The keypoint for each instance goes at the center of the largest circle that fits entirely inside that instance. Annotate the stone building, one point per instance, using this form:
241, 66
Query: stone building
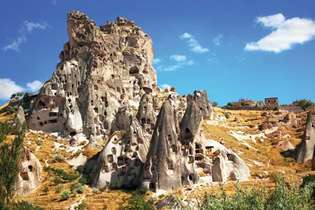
272, 103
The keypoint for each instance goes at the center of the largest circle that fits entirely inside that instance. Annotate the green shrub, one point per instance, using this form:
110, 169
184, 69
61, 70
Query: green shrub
4, 130
283, 197
289, 197
25, 206
84, 180
10, 156
19, 206
58, 158
65, 195
81, 206
77, 188
137, 202
65, 176
303, 103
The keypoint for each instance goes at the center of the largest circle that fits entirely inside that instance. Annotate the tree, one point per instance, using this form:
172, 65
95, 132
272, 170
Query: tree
10, 157
214, 103
303, 103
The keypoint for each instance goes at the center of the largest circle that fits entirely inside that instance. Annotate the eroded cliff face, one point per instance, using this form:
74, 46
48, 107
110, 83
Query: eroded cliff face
105, 87
101, 69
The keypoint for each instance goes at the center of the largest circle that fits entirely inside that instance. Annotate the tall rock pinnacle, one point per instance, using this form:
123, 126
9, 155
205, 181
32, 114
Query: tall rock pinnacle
305, 149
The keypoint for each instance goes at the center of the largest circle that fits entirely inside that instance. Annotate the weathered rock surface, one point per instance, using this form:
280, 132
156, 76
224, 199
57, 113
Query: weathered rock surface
101, 69
29, 176
20, 120
227, 165
105, 87
305, 149
162, 169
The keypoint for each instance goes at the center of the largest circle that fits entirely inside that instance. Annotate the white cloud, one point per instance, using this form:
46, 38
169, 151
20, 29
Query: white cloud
15, 44
178, 58
166, 86
178, 62
8, 87
193, 44
157, 61
27, 28
34, 86
272, 21
30, 26
217, 40
286, 33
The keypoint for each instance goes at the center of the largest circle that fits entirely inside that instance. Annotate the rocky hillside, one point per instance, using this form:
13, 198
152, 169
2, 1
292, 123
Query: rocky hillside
101, 126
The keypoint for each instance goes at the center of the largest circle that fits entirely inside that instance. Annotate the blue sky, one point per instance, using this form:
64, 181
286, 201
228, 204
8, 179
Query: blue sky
231, 48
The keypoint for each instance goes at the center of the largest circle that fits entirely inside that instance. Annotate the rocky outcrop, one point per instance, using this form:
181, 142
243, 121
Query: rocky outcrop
105, 87
29, 176
198, 108
120, 162
306, 148
20, 120
227, 165
162, 169
101, 69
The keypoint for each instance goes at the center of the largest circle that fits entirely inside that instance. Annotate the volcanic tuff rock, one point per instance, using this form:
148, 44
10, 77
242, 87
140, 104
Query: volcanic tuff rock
101, 69
105, 87
29, 174
305, 149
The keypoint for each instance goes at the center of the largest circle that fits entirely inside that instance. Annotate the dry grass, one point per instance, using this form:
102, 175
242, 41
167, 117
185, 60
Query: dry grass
47, 195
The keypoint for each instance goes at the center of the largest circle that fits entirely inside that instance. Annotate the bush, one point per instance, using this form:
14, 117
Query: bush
84, 180
242, 200
65, 195
303, 103
4, 130
137, 202
65, 176
10, 156
25, 206
81, 206
19, 206
77, 188
283, 197
291, 197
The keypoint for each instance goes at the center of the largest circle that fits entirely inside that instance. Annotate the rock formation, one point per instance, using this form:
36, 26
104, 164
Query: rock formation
29, 176
162, 169
101, 69
306, 148
105, 87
